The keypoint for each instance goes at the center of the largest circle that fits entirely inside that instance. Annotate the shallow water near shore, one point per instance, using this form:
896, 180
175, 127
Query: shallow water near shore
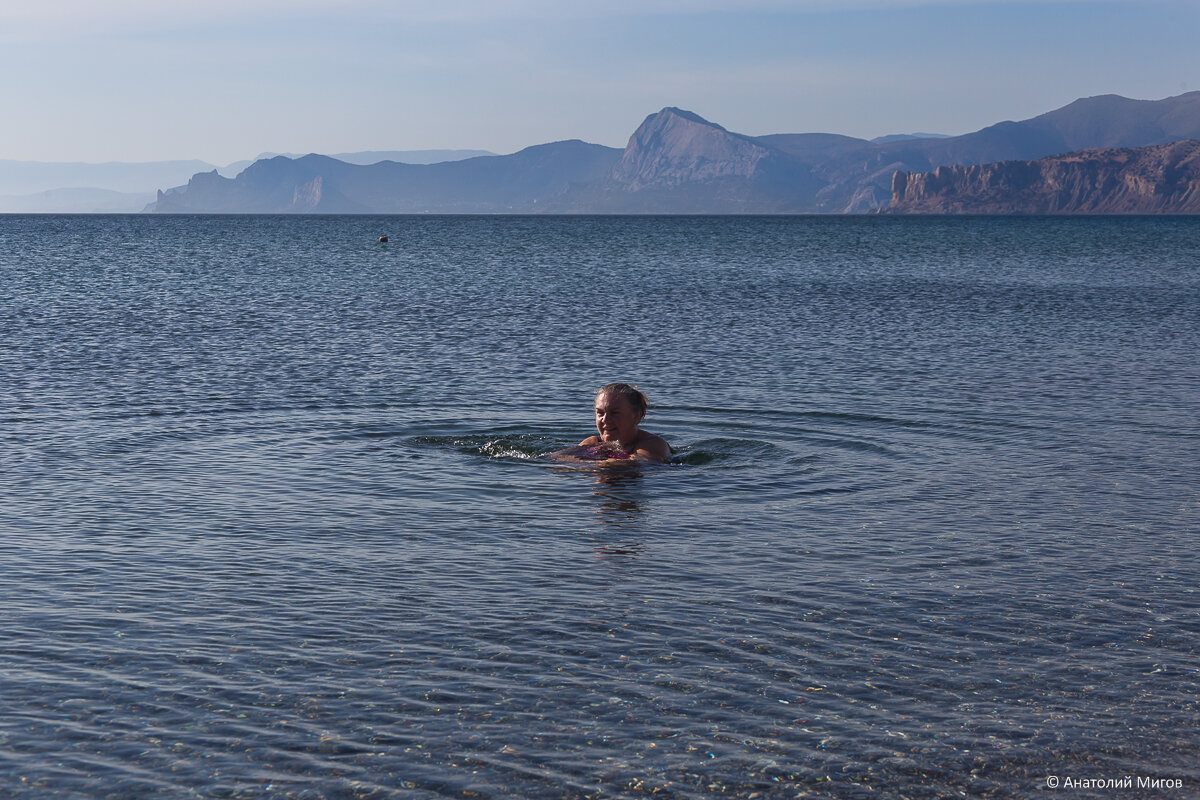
277, 520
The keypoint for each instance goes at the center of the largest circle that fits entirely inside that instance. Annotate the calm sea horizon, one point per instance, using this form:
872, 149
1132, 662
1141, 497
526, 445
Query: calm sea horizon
278, 520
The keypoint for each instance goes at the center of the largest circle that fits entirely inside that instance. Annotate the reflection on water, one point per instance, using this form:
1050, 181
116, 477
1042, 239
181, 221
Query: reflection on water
617, 488
621, 549
616, 495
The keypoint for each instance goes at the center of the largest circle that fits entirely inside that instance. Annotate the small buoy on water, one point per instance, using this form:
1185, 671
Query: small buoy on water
383, 238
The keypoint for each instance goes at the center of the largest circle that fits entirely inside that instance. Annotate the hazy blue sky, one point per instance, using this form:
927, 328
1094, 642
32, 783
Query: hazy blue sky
222, 80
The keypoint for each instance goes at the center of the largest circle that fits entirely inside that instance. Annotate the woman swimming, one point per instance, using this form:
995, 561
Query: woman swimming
619, 408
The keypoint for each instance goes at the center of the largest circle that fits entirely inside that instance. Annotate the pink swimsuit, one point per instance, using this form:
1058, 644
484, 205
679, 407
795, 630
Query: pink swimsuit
601, 452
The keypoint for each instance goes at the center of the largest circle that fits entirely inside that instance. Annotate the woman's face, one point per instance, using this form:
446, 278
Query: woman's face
616, 419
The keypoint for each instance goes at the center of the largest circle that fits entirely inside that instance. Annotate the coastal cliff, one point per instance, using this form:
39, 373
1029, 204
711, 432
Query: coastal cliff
1162, 179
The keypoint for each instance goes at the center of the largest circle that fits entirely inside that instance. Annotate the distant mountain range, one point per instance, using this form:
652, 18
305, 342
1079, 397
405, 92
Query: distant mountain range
76, 201
31, 177
120, 187
678, 162
364, 157
901, 137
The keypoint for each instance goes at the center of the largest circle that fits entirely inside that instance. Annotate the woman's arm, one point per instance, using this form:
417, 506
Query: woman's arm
591, 450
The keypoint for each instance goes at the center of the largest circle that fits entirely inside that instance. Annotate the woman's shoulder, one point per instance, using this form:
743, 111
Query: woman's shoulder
590, 440
655, 445
647, 436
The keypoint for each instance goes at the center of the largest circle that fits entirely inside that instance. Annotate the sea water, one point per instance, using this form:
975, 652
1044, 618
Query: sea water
276, 518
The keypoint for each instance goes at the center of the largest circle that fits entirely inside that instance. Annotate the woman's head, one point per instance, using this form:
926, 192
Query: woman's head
619, 409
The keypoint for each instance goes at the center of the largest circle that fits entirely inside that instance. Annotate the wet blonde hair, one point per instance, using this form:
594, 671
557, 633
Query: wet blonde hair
637, 400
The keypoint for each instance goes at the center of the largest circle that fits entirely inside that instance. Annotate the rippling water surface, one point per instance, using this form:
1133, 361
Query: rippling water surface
277, 522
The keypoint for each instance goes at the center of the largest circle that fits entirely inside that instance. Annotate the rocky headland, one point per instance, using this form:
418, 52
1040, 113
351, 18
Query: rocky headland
1163, 179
